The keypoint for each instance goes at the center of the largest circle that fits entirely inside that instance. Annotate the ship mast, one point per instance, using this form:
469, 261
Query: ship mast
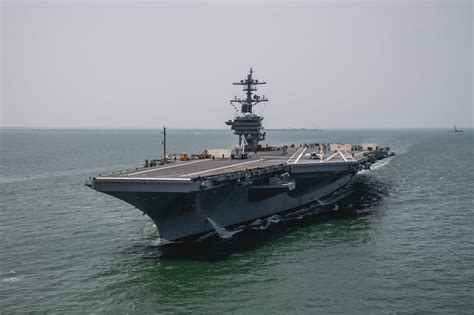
164, 144
248, 126
250, 86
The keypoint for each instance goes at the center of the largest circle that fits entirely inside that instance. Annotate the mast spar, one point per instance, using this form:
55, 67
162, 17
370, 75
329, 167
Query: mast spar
250, 86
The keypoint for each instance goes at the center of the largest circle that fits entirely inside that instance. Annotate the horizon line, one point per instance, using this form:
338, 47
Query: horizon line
218, 129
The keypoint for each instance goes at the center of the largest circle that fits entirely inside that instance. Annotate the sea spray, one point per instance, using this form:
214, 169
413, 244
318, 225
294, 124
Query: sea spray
377, 165
161, 242
221, 231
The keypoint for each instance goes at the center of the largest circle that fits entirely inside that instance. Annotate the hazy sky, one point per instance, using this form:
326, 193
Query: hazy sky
334, 64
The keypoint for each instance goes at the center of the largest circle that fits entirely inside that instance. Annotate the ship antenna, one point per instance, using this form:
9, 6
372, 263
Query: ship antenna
164, 144
250, 86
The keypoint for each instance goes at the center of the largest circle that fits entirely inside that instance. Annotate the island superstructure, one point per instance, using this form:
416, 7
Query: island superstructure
247, 125
188, 198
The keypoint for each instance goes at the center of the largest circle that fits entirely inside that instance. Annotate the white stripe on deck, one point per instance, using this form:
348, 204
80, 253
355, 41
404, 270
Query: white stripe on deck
342, 155
271, 157
299, 156
166, 167
221, 168
329, 158
294, 154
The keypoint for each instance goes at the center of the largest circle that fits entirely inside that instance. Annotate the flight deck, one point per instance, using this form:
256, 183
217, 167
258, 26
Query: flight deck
211, 167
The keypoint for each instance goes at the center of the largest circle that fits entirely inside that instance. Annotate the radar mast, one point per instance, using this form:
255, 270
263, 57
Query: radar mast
250, 86
248, 124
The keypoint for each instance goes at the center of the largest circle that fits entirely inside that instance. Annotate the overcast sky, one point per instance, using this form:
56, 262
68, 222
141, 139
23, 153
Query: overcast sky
334, 64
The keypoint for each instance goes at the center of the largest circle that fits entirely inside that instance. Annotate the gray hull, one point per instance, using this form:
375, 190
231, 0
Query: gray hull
180, 215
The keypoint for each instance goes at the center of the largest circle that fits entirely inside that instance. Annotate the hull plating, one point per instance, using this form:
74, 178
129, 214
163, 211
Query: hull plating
187, 215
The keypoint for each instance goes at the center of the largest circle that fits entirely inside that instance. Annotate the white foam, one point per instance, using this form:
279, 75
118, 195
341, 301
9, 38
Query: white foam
221, 231
269, 221
256, 222
379, 164
9, 276
161, 242
274, 219
11, 279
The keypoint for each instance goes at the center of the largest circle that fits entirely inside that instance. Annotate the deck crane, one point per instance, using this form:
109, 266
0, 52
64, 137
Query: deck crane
238, 151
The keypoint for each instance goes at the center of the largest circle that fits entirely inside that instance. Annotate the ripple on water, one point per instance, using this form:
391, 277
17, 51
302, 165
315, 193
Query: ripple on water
401, 242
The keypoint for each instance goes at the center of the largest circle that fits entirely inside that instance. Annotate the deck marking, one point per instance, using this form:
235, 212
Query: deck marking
327, 159
272, 157
294, 154
299, 156
166, 167
350, 155
343, 157
221, 168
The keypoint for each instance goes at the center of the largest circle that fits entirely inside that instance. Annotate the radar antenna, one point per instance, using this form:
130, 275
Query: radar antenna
250, 86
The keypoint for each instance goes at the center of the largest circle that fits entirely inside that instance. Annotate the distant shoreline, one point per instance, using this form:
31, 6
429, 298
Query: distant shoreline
85, 129
137, 129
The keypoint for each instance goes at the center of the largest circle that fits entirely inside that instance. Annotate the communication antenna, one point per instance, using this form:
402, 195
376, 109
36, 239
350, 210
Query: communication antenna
250, 86
164, 144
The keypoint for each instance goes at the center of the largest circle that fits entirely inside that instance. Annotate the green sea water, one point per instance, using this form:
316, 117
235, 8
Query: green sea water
403, 242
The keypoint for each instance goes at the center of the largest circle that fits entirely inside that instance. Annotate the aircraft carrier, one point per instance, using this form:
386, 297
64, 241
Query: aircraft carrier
190, 196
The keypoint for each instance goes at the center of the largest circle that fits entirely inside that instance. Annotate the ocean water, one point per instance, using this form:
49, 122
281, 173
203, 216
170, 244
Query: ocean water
402, 242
